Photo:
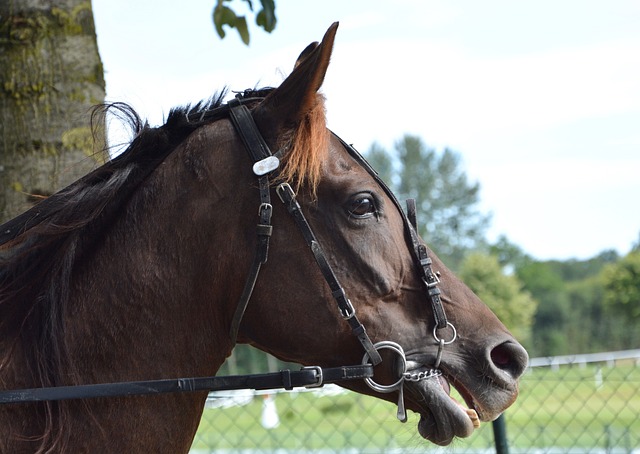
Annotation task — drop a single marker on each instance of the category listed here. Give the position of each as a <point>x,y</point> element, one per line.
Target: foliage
<point>509,255</point>
<point>622,286</point>
<point>446,201</point>
<point>224,15</point>
<point>381,162</point>
<point>572,316</point>
<point>502,293</point>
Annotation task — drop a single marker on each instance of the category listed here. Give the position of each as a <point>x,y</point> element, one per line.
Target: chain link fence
<point>576,405</point>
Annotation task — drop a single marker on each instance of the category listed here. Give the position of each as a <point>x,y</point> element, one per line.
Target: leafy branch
<point>223,15</point>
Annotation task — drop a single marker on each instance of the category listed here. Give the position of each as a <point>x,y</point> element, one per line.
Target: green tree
<point>447,202</point>
<point>549,335</point>
<point>636,246</point>
<point>503,293</point>
<point>622,286</point>
<point>510,256</point>
<point>381,162</point>
<point>572,315</point>
<point>50,77</point>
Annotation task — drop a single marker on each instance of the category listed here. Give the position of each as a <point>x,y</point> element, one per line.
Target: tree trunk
<point>50,76</point>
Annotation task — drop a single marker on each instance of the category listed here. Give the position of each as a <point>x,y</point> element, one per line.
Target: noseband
<point>264,163</point>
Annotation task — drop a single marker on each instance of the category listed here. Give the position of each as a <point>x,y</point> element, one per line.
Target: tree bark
<point>50,76</point>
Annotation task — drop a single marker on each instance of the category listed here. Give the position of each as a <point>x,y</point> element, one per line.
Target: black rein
<point>310,377</point>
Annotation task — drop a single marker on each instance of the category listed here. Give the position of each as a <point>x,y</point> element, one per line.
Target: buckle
<point>434,282</point>
<point>284,188</point>
<point>349,311</point>
<point>267,208</point>
<point>319,377</point>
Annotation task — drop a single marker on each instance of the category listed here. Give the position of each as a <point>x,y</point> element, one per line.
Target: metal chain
<point>422,375</point>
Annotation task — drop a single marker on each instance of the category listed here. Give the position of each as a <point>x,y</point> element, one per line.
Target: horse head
<point>370,248</point>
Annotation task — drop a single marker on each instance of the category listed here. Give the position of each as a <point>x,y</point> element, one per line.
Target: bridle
<point>265,163</point>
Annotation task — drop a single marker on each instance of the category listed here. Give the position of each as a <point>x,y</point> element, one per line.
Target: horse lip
<point>445,381</point>
<point>442,417</point>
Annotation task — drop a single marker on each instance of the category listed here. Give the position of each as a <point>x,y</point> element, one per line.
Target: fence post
<point>500,435</point>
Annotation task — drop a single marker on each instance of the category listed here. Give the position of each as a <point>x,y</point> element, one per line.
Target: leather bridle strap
<point>312,376</point>
<point>429,278</point>
<point>421,257</point>
<point>347,310</point>
<point>260,153</point>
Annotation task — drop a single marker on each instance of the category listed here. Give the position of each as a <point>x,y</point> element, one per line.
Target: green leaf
<point>266,18</point>
<point>223,15</point>
<point>241,25</point>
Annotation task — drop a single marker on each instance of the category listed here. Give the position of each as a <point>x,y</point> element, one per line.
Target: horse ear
<point>287,105</point>
<point>305,53</point>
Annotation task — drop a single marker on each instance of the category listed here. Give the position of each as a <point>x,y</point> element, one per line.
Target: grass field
<point>571,407</point>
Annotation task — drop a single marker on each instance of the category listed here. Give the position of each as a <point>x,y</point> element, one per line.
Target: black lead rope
<point>309,377</point>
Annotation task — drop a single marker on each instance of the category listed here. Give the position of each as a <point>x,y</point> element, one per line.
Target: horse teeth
<point>473,416</point>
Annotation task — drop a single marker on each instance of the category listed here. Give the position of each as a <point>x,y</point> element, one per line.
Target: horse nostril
<point>510,357</point>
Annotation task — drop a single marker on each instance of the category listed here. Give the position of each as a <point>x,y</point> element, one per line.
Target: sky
<point>541,99</point>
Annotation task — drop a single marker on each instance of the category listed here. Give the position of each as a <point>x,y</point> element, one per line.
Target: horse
<point>145,269</point>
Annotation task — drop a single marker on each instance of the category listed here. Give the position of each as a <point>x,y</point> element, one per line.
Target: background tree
<point>381,162</point>
<point>622,286</point>
<point>447,202</point>
<point>50,77</point>
<point>509,255</point>
<point>503,293</point>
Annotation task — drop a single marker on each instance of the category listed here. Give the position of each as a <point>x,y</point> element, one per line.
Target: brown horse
<point>135,271</point>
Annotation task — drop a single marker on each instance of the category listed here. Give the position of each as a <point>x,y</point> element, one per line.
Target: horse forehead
<point>340,162</point>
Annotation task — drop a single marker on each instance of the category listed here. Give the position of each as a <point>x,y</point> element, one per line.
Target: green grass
<point>573,407</point>
<point>568,407</point>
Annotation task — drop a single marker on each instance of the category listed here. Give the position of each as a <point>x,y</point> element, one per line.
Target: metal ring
<point>455,334</point>
<point>386,388</point>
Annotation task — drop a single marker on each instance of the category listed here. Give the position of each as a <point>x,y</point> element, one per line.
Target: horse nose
<point>509,357</point>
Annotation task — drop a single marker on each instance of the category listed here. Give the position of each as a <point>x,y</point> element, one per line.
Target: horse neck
<point>159,289</point>
<point>152,299</point>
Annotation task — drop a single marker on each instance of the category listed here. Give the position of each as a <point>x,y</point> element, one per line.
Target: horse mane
<point>37,262</point>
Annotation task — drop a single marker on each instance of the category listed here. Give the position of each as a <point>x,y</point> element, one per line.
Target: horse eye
<point>362,206</point>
